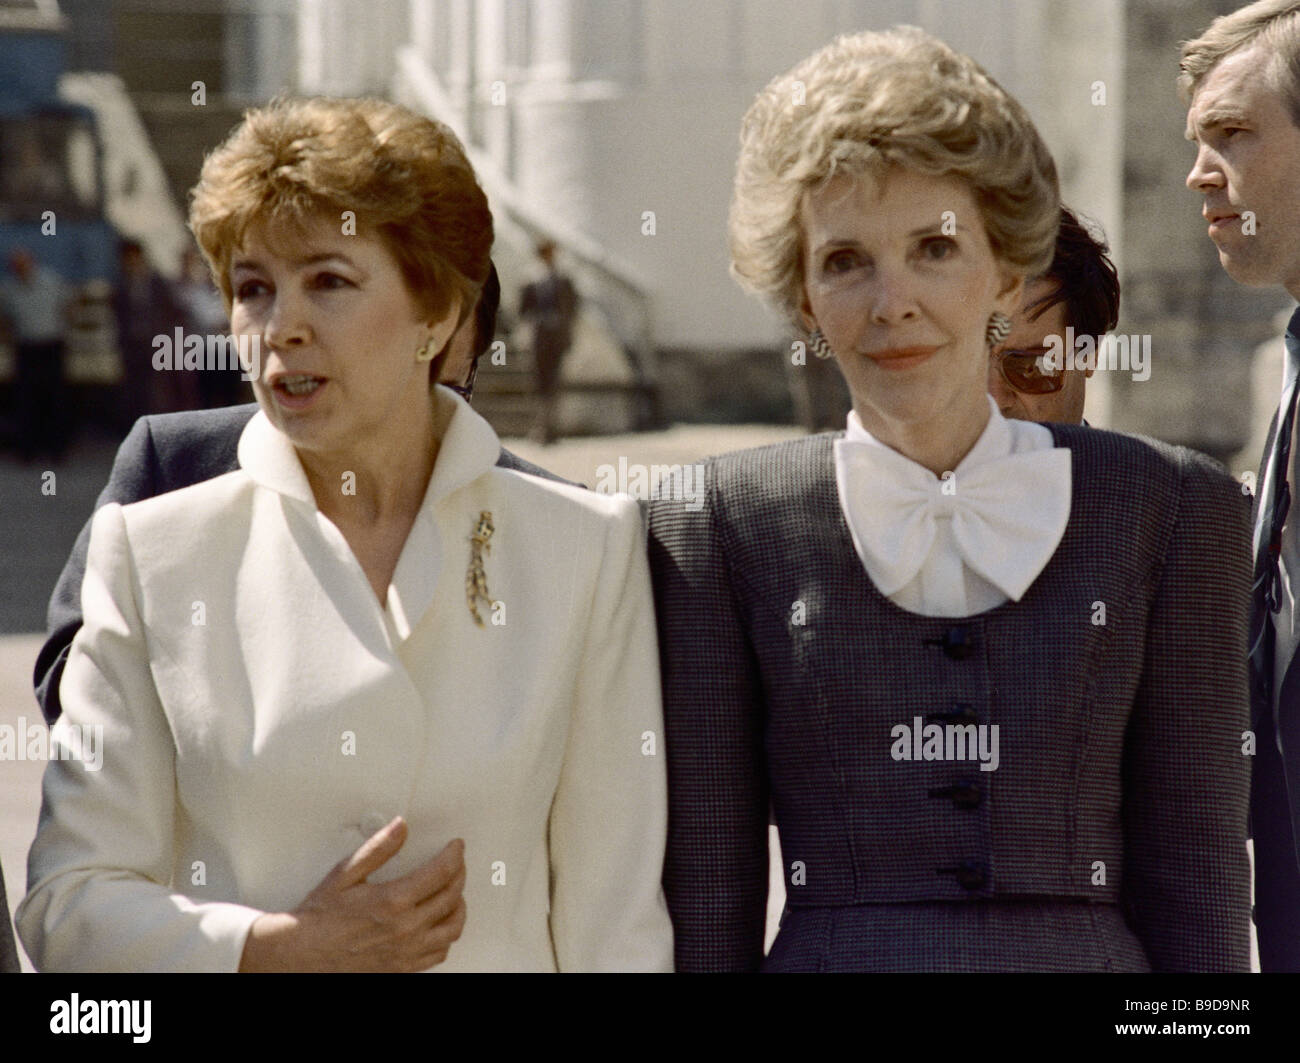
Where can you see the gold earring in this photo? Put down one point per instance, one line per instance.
(427, 353)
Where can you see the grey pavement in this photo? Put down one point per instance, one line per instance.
(42, 507)
(20, 780)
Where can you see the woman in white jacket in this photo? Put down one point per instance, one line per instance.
(370, 701)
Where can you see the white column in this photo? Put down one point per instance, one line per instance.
(552, 58)
(311, 45)
(422, 15)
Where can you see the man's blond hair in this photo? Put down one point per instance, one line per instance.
(1273, 24)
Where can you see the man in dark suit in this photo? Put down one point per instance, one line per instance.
(8, 951)
(1240, 81)
(34, 309)
(551, 305)
(170, 451)
(144, 307)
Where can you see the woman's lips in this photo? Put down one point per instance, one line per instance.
(297, 391)
(901, 357)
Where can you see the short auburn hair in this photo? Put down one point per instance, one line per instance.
(864, 103)
(405, 178)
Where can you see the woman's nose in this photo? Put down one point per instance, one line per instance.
(893, 299)
(287, 324)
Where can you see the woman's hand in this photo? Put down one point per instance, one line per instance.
(346, 924)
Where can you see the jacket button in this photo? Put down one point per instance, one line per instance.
(957, 643)
(961, 712)
(967, 794)
(970, 874)
(964, 793)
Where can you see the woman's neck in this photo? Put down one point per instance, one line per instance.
(939, 443)
(378, 479)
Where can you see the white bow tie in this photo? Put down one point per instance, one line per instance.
(1007, 517)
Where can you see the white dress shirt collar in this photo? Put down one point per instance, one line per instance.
(468, 448)
(995, 441)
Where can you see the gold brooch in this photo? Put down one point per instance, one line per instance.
(476, 589)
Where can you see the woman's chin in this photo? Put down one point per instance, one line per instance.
(900, 400)
(306, 429)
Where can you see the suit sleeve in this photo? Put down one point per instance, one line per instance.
(609, 815)
(8, 952)
(716, 866)
(1186, 885)
(131, 479)
(100, 870)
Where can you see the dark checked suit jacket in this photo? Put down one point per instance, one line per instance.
(8, 950)
(162, 453)
(1275, 808)
(1111, 836)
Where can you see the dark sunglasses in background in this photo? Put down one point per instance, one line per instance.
(1025, 370)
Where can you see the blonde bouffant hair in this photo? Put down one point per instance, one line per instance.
(862, 104)
(405, 178)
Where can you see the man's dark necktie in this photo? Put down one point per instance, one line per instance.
(1274, 501)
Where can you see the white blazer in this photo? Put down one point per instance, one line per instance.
(262, 715)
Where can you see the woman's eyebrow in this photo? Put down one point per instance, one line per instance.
(306, 260)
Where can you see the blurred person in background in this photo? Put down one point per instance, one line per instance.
(35, 304)
(1080, 290)
(205, 316)
(146, 308)
(549, 305)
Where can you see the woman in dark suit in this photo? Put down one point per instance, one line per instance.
(989, 675)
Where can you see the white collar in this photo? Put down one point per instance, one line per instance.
(956, 545)
(468, 447)
(1001, 436)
